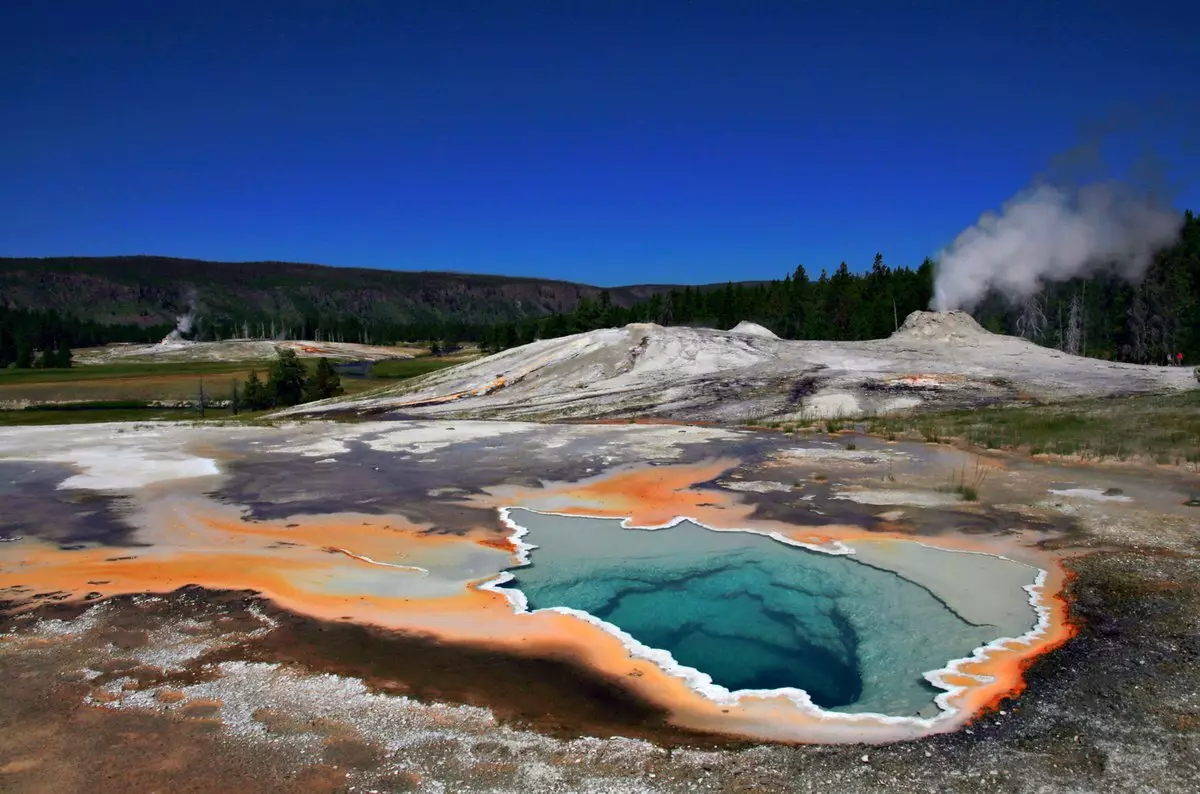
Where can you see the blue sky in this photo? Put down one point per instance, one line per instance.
(605, 142)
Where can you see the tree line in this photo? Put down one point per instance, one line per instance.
(1102, 316)
(1105, 316)
(45, 338)
(841, 306)
(325, 327)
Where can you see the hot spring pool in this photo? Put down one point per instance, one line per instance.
(753, 613)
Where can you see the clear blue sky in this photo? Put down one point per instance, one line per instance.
(606, 142)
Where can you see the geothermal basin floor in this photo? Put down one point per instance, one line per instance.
(320, 606)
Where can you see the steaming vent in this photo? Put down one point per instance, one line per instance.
(1046, 234)
(183, 325)
(174, 339)
(944, 327)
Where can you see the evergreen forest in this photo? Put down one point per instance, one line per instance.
(1102, 316)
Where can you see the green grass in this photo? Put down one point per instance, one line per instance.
(122, 411)
(966, 488)
(1163, 428)
(128, 385)
(77, 415)
(124, 391)
(410, 367)
(97, 405)
(123, 382)
(125, 370)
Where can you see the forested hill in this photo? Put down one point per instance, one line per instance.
(150, 291)
(48, 303)
(1102, 316)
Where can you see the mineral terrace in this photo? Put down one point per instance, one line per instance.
(935, 360)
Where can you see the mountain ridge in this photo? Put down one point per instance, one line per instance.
(151, 290)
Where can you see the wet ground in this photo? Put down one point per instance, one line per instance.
(213, 690)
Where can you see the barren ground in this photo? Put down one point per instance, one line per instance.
(207, 689)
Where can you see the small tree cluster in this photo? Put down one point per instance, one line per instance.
(25, 357)
(288, 383)
(57, 358)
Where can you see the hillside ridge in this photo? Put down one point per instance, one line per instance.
(151, 290)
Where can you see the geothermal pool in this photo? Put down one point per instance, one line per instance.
(793, 614)
(734, 612)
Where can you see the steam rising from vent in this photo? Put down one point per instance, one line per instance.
(1048, 233)
(183, 323)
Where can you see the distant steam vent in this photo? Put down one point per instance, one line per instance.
(184, 323)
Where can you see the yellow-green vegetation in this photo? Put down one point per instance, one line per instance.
(138, 382)
(157, 391)
(966, 484)
(403, 368)
(121, 370)
(145, 382)
(1162, 428)
(115, 411)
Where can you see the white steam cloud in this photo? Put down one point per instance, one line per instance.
(184, 323)
(1049, 233)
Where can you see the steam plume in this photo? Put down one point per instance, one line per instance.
(1049, 233)
(183, 322)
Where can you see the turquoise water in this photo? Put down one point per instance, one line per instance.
(751, 612)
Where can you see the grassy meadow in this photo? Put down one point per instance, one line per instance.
(1163, 428)
(392, 370)
(127, 391)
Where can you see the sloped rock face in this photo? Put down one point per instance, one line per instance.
(937, 360)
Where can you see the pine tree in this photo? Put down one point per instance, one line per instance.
(256, 395)
(24, 355)
(1074, 333)
(798, 309)
(62, 357)
(324, 382)
(286, 378)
